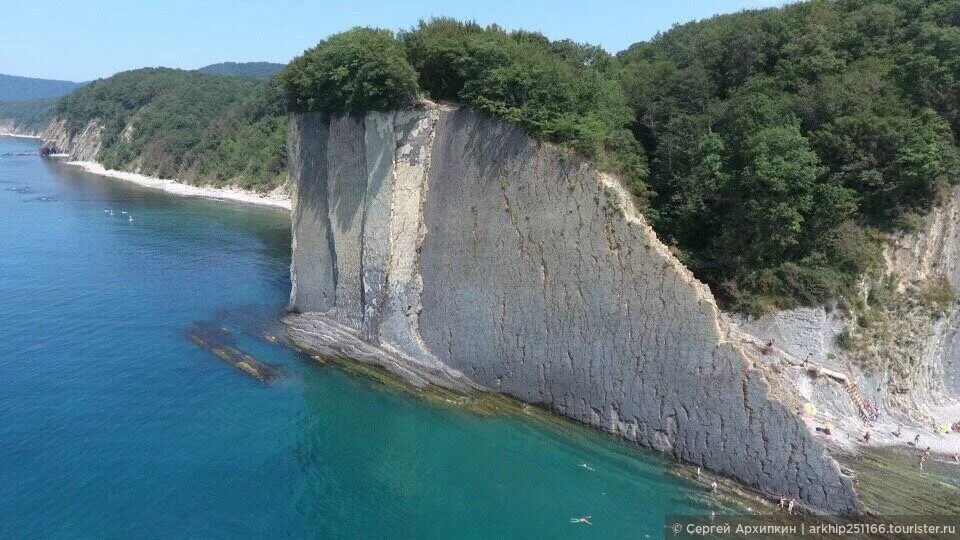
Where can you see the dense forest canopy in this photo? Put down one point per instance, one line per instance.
(782, 143)
(32, 114)
(254, 70)
(186, 124)
(772, 149)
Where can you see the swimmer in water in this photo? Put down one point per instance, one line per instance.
(713, 486)
(586, 466)
(584, 519)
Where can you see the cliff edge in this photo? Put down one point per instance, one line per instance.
(453, 249)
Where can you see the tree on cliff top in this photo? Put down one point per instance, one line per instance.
(560, 91)
(351, 72)
(563, 92)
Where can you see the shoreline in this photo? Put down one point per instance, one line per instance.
(275, 198)
(18, 135)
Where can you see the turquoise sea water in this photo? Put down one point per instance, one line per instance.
(114, 424)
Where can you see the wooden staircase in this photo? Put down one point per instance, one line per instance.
(857, 397)
(815, 369)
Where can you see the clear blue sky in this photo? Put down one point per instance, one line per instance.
(87, 39)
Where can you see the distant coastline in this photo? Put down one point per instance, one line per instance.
(277, 198)
(18, 135)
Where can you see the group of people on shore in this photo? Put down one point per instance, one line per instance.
(784, 503)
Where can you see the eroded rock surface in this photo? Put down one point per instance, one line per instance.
(453, 249)
(83, 145)
(15, 127)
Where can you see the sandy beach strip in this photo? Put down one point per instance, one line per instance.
(18, 135)
(276, 198)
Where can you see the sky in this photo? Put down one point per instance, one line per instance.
(88, 39)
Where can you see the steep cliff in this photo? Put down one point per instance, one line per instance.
(453, 249)
(83, 145)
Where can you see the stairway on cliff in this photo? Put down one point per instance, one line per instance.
(812, 367)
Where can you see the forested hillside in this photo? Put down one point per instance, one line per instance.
(255, 70)
(13, 88)
(31, 115)
(783, 143)
(185, 124)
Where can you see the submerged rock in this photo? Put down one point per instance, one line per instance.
(218, 341)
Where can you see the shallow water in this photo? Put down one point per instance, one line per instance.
(113, 423)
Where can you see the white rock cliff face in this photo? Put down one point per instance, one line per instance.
(453, 249)
(13, 127)
(82, 146)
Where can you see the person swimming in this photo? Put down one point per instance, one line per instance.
(579, 520)
(586, 466)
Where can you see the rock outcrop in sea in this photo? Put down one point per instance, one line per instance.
(453, 249)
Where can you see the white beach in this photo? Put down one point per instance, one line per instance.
(6, 134)
(277, 198)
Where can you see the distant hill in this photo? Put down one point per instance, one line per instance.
(255, 70)
(26, 117)
(188, 125)
(13, 88)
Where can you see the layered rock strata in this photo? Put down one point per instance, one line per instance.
(453, 249)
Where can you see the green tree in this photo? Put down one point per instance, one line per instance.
(354, 71)
(437, 51)
(776, 190)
